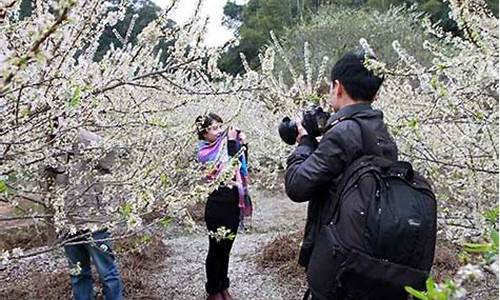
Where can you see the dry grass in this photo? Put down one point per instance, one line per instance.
(38, 285)
(137, 264)
(446, 261)
(24, 237)
(197, 211)
(137, 261)
(282, 254)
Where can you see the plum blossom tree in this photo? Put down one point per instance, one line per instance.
(92, 144)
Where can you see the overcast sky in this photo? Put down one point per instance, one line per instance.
(217, 34)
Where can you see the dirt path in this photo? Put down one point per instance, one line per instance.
(180, 272)
(184, 277)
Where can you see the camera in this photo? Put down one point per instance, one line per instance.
(314, 121)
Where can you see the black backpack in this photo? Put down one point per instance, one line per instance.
(382, 234)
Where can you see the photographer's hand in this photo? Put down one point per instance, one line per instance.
(300, 129)
(232, 133)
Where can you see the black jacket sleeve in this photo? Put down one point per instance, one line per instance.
(232, 147)
(313, 166)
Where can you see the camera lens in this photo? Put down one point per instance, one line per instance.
(288, 131)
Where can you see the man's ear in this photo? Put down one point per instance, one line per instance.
(339, 88)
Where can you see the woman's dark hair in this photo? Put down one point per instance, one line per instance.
(359, 82)
(203, 122)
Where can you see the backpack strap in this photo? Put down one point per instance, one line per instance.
(369, 147)
(362, 167)
(369, 141)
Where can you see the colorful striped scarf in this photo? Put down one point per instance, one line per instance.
(215, 159)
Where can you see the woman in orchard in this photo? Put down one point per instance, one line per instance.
(222, 152)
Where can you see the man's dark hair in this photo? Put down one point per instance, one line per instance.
(359, 82)
(203, 122)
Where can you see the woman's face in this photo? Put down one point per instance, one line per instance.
(213, 132)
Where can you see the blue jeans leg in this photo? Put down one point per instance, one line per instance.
(104, 260)
(80, 282)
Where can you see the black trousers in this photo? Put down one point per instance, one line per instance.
(221, 210)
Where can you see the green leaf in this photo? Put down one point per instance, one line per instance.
(434, 82)
(126, 209)
(3, 187)
(413, 123)
(75, 99)
(441, 66)
(158, 122)
(396, 130)
(25, 111)
(430, 285)
(479, 115)
(491, 215)
(494, 238)
(145, 239)
(231, 236)
(442, 295)
(443, 92)
(416, 294)
(477, 248)
(464, 257)
(22, 61)
(166, 221)
(449, 288)
(164, 180)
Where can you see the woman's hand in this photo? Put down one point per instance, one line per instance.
(243, 137)
(232, 133)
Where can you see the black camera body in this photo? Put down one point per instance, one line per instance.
(314, 121)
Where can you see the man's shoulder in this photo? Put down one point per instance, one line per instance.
(343, 127)
(345, 135)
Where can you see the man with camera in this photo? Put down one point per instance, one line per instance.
(341, 258)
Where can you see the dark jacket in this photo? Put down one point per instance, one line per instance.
(315, 169)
